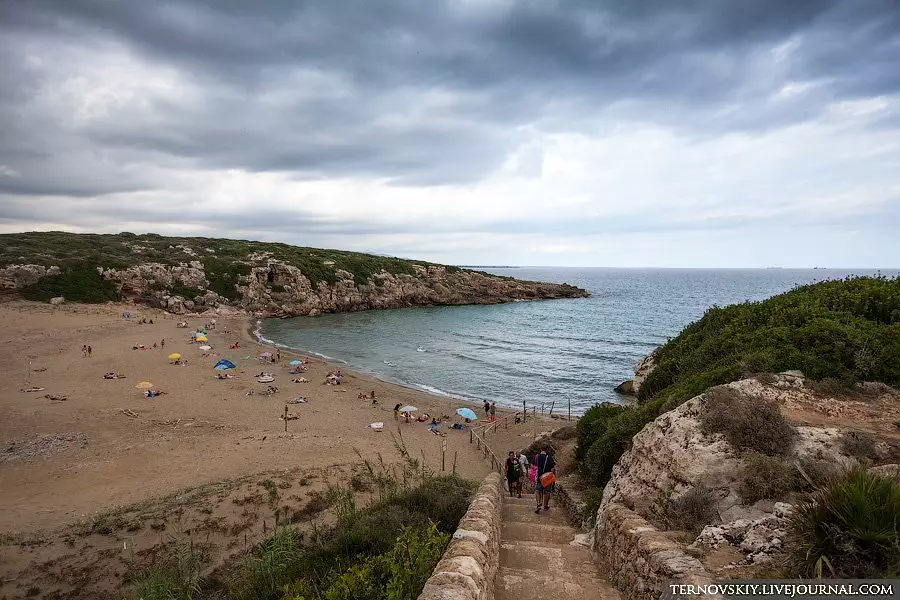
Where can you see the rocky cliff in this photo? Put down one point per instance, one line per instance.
(738, 500)
(193, 274)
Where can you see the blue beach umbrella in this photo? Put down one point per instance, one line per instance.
(296, 362)
(467, 413)
(224, 365)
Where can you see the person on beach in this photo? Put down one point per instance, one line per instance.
(487, 408)
(90, 350)
(513, 475)
(162, 343)
(84, 351)
(493, 410)
(397, 410)
(545, 464)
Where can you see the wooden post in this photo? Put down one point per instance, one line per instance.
(524, 411)
(570, 409)
(471, 435)
(551, 407)
(455, 453)
(285, 417)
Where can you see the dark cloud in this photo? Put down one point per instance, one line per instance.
(559, 65)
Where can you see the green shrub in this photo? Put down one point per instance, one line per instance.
(768, 477)
(188, 293)
(76, 284)
(277, 289)
(748, 424)
(852, 522)
(593, 425)
(397, 574)
(175, 575)
(269, 566)
(691, 511)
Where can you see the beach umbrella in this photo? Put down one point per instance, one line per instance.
(144, 385)
(223, 365)
(467, 413)
(295, 362)
(408, 408)
(174, 356)
(206, 347)
(201, 338)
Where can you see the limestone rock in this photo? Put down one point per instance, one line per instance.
(13, 277)
(643, 368)
(57, 301)
(626, 388)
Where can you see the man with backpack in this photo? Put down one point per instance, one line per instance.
(545, 479)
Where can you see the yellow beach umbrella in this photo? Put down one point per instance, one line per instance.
(174, 356)
(144, 385)
(202, 338)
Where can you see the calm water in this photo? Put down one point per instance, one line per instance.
(560, 350)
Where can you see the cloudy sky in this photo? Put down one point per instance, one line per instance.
(534, 132)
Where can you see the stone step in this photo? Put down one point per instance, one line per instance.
(539, 584)
(536, 532)
(520, 513)
(544, 556)
(526, 499)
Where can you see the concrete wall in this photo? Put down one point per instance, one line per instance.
(638, 559)
(470, 563)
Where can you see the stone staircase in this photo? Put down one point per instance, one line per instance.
(537, 560)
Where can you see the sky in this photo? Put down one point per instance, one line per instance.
(696, 133)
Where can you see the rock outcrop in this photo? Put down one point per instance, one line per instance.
(672, 455)
(276, 288)
(14, 277)
(641, 369)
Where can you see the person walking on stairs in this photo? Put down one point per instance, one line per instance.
(513, 476)
(542, 489)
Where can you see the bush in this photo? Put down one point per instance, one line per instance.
(76, 284)
(398, 574)
(859, 445)
(593, 425)
(852, 522)
(747, 424)
(176, 575)
(270, 564)
(691, 511)
(767, 477)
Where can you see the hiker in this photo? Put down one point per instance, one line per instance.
(545, 464)
(513, 475)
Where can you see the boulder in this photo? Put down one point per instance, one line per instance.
(626, 388)
(57, 301)
(643, 368)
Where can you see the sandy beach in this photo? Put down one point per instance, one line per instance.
(84, 445)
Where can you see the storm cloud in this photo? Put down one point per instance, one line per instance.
(430, 128)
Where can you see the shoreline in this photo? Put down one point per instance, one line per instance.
(252, 334)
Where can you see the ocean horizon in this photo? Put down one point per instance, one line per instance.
(543, 351)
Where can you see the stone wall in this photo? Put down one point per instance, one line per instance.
(638, 559)
(568, 497)
(470, 563)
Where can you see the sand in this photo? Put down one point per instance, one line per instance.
(105, 445)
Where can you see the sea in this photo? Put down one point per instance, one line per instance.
(569, 352)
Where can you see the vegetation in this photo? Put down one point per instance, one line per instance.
(175, 575)
(851, 525)
(756, 425)
(847, 330)
(859, 445)
(76, 284)
(768, 477)
(691, 511)
(223, 260)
